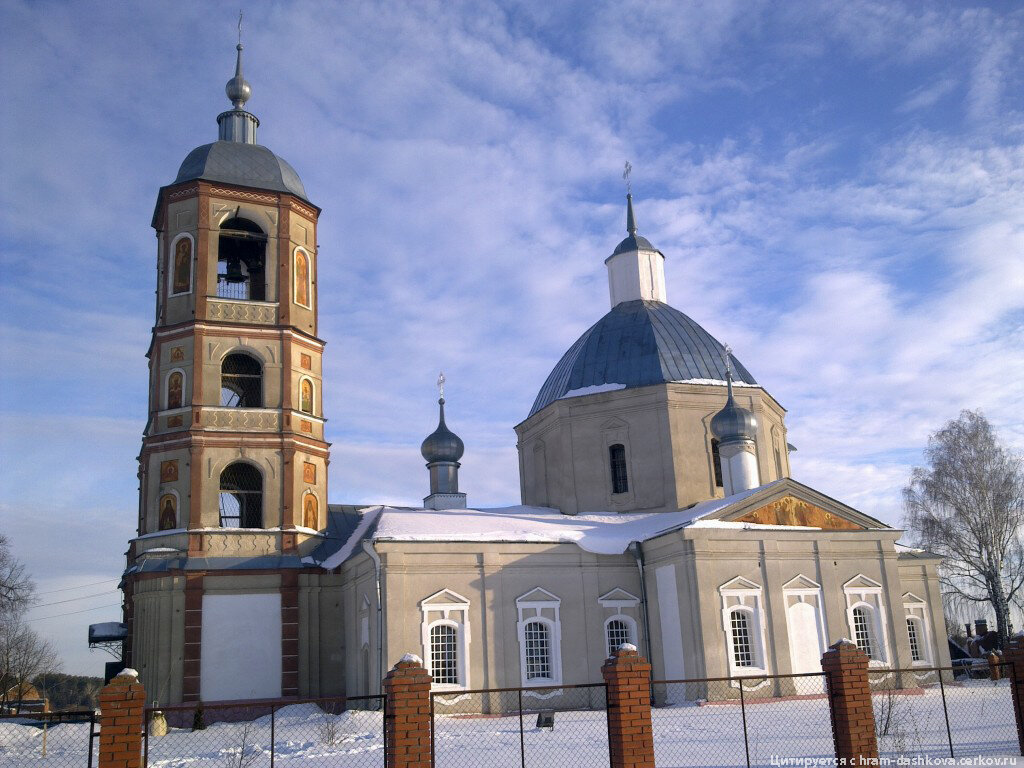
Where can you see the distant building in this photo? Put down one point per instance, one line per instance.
(658, 507)
(24, 697)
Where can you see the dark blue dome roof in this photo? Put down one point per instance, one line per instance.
(637, 344)
(247, 165)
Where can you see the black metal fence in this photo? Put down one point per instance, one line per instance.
(740, 721)
(942, 712)
(57, 739)
(537, 726)
(342, 732)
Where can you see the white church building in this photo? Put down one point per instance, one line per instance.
(657, 506)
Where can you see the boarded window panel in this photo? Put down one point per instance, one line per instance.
(240, 647)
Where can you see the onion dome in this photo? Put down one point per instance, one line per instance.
(442, 445)
(236, 158)
(733, 423)
(638, 344)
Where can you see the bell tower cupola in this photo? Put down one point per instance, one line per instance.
(636, 269)
(442, 450)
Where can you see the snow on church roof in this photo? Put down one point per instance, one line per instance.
(602, 534)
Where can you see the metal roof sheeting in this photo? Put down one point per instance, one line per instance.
(247, 165)
(638, 344)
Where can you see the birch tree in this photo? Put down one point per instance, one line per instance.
(967, 505)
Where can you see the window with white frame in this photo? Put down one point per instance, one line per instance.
(919, 637)
(865, 613)
(540, 637)
(618, 631)
(743, 625)
(445, 637)
(620, 608)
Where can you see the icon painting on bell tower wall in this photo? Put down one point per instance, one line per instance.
(235, 360)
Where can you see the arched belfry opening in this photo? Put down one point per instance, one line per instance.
(241, 496)
(241, 261)
(241, 381)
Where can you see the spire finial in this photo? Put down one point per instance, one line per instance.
(237, 89)
(727, 358)
(440, 385)
(630, 218)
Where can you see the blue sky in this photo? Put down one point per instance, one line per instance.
(837, 188)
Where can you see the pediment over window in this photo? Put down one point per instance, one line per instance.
(614, 423)
(789, 510)
(538, 595)
(861, 582)
(444, 597)
(910, 597)
(739, 584)
(801, 582)
(618, 597)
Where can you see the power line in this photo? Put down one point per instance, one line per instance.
(80, 586)
(73, 599)
(72, 613)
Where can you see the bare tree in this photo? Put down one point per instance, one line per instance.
(23, 656)
(15, 586)
(968, 506)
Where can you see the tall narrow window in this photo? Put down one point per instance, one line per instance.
(742, 651)
(862, 631)
(241, 381)
(241, 496)
(915, 640)
(617, 633)
(240, 261)
(617, 458)
(778, 462)
(538, 650)
(716, 461)
(444, 654)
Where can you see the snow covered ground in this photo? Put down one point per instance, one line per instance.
(981, 721)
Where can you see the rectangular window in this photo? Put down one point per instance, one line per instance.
(742, 653)
(617, 457)
(915, 642)
(538, 651)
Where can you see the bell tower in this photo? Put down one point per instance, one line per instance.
(233, 458)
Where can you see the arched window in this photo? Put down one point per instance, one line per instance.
(241, 253)
(863, 630)
(914, 633)
(306, 396)
(742, 645)
(716, 461)
(241, 381)
(617, 460)
(617, 631)
(537, 641)
(444, 654)
(241, 496)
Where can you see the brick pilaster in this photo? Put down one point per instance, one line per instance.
(289, 633)
(122, 721)
(853, 719)
(630, 736)
(407, 714)
(191, 661)
(1013, 657)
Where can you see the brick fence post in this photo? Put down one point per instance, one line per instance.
(122, 721)
(1013, 657)
(853, 718)
(630, 736)
(407, 714)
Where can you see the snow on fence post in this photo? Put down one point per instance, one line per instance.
(630, 736)
(407, 714)
(1014, 657)
(853, 718)
(121, 721)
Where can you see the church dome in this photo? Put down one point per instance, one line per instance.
(243, 164)
(442, 444)
(733, 423)
(637, 344)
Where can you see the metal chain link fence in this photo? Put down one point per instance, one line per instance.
(563, 725)
(56, 739)
(347, 733)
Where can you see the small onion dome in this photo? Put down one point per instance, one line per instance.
(238, 89)
(442, 444)
(734, 422)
